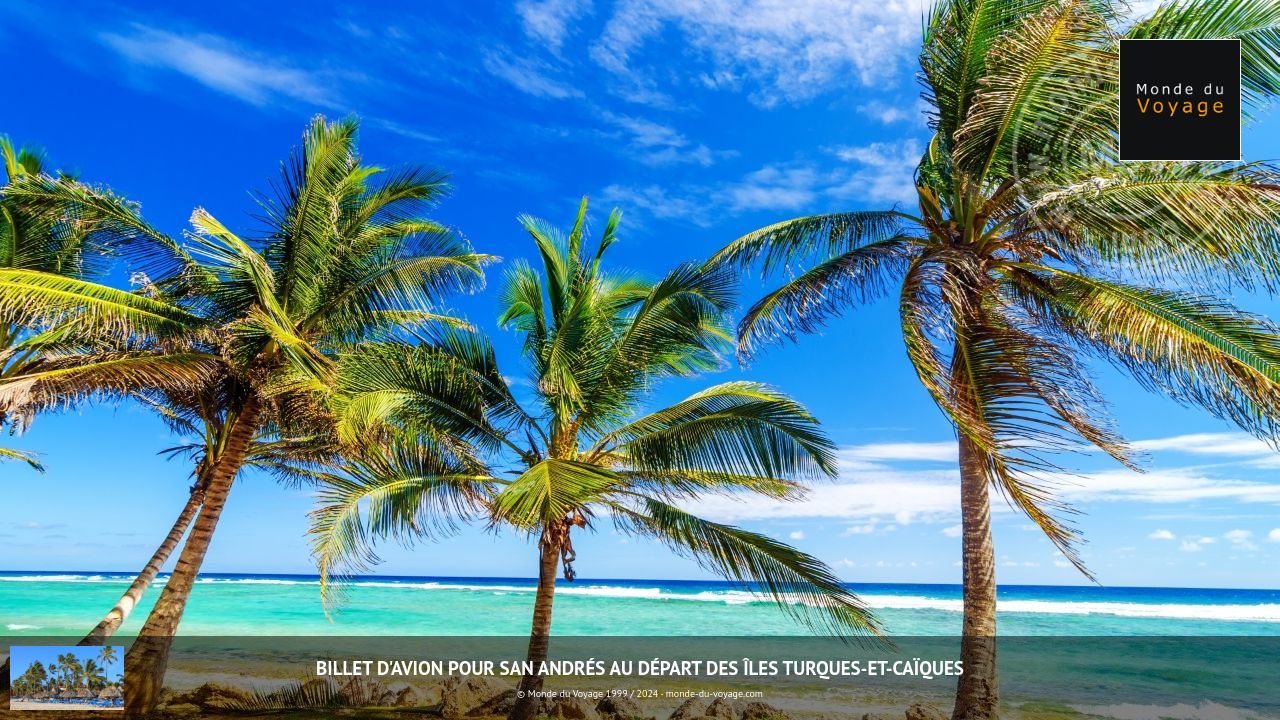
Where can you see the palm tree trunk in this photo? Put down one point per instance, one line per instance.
(977, 690)
(133, 595)
(147, 659)
(526, 706)
(129, 600)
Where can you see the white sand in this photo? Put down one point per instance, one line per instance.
(64, 707)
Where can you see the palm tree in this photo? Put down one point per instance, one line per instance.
(595, 343)
(71, 669)
(33, 679)
(93, 677)
(1031, 247)
(341, 259)
(73, 239)
(190, 414)
(56, 225)
(71, 247)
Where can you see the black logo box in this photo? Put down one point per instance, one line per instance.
(1186, 69)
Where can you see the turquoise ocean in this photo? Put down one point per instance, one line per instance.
(69, 603)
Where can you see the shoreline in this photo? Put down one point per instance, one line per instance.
(15, 705)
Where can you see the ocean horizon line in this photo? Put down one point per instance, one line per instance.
(661, 581)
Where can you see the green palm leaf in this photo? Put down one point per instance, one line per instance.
(799, 584)
(23, 457)
(1035, 79)
(35, 298)
(1198, 350)
(1256, 23)
(807, 302)
(738, 428)
(550, 490)
(405, 493)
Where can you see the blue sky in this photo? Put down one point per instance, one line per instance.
(701, 119)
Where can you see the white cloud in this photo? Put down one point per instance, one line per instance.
(548, 20)
(796, 535)
(1242, 539)
(656, 144)
(1274, 536)
(946, 451)
(1195, 544)
(528, 76)
(655, 201)
(1062, 563)
(953, 531)
(219, 64)
(774, 188)
(865, 529)
(884, 112)
(1161, 535)
(1175, 485)
(868, 497)
(883, 172)
(1234, 444)
(781, 50)
(879, 173)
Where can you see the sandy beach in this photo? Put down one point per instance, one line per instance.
(64, 707)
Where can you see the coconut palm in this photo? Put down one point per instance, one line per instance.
(73, 238)
(56, 225)
(107, 655)
(595, 343)
(1031, 247)
(193, 415)
(72, 246)
(254, 323)
(93, 677)
(71, 669)
(32, 680)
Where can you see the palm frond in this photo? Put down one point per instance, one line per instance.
(103, 220)
(1211, 222)
(819, 237)
(959, 35)
(1197, 350)
(1042, 74)
(805, 303)
(1256, 23)
(406, 493)
(550, 490)
(799, 584)
(33, 298)
(70, 381)
(22, 457)
(737, 428)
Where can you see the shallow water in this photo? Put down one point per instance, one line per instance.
(43, 604)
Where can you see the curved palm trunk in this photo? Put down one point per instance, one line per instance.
(133, 595)
(147, 659)
(977, 690)
(526, 706)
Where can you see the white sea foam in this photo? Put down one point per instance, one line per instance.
(1181, 611)
(253, 581)
(1256, 613)
(1182, 711)
(20, 626)
(48, 578)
